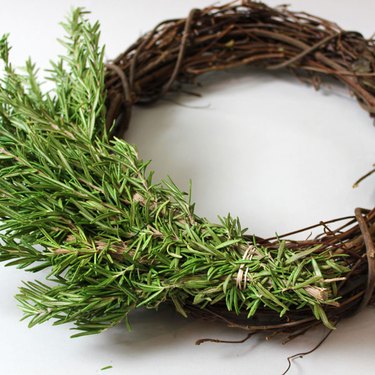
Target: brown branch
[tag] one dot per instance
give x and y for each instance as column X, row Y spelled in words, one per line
column 178, row 51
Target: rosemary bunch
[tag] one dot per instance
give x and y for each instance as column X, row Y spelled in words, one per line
column 85, row 208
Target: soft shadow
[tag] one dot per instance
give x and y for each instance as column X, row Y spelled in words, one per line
column 157, row 332
column 150, row 124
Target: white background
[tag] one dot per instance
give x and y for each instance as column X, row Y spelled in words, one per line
column 262, row 146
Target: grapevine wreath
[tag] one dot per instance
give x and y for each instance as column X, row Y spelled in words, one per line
column 76, row 200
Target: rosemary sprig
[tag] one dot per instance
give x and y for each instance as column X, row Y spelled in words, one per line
column 85, row 208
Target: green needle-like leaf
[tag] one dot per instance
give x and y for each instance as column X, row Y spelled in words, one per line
column 86, row 209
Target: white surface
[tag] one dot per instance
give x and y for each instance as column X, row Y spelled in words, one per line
column 262, row 146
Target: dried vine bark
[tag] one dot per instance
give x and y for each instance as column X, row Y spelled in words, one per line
column 249, row 33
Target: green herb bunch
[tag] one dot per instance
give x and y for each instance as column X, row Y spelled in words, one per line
column 84, row 207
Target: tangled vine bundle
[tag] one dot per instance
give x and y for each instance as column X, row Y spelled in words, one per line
column 251, row 33
column 78, row 201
